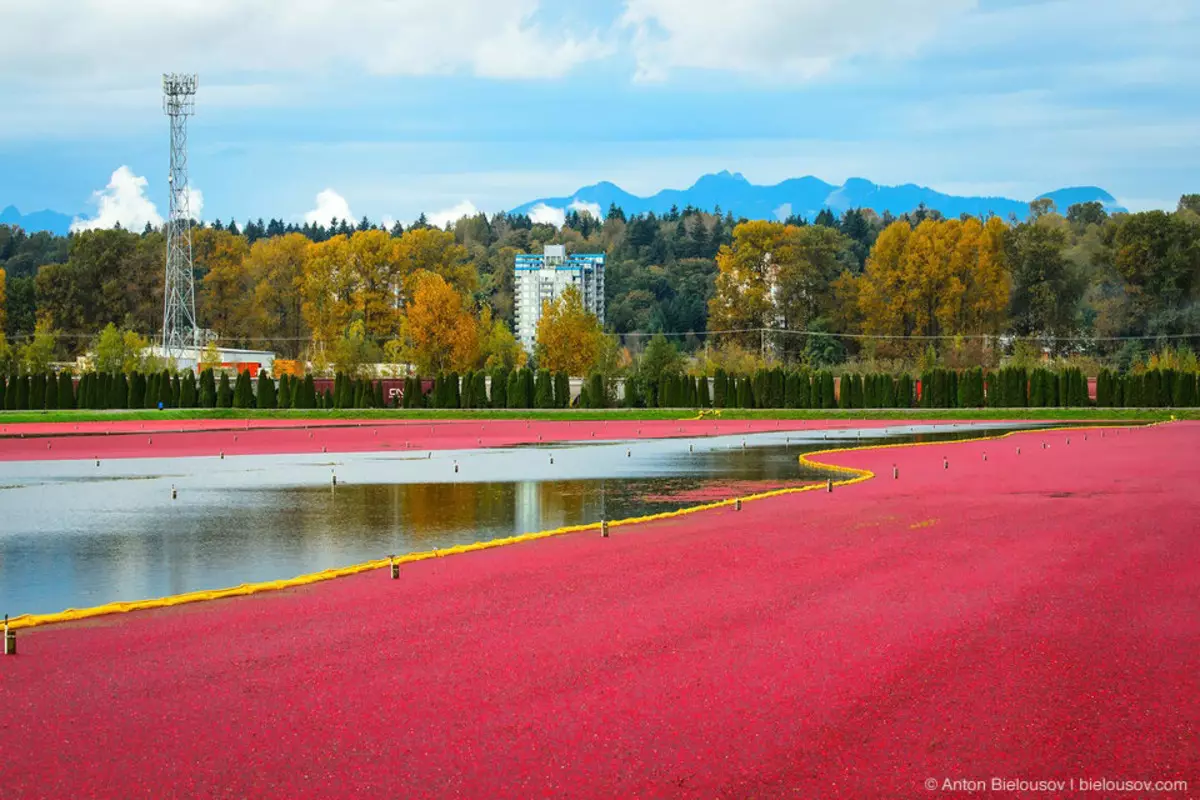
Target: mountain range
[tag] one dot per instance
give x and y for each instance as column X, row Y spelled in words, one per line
column 730, row 191
column 51, row 221
column 807, row 196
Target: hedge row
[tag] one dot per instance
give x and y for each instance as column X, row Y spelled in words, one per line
column 1010, row 387
column 1152, row 389
column 519, row 388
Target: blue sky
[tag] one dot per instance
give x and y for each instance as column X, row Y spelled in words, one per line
column 394, row 107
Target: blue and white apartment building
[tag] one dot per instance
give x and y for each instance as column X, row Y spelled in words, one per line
column 543, row 278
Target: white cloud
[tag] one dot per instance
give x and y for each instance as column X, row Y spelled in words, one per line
column 122, row 202
column 543, row 214
column 783, row 211
column 115, row 41
column 330, row 205
column 453, row 214
column 586, row 208
column 779, row 39
column 195, row 203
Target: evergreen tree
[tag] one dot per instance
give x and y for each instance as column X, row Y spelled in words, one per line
column 720, row 388
column 265, row 397
column 37, row 392
column 745, row 393
column 803, row 389
column 632, row 397
column 243, row 392
column 23, row 393
column 828, row 395
column 164, row 389
column 66, row 390
column 500, row 387
column 513, row 390
column 224, row 393
column 119, row 391
column 377, row 396
column 562, row 390
column 51, row 392
column 283, row 398
column 846, row 392
column 480, row 396
column 527, row 388
column 544, row 389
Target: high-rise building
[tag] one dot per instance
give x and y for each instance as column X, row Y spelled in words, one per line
column 543, row 278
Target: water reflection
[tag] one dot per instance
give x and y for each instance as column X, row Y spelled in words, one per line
column 77, row 535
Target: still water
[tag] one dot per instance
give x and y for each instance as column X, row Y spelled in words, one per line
column 73, row 534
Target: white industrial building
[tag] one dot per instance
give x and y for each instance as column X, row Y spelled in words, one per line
column 540, row 279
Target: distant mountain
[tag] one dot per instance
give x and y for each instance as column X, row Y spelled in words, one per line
column 807, row 196
column 37, row 221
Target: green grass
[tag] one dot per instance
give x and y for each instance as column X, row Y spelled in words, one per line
column 1114, row 414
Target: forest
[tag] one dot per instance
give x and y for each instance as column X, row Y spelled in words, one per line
column 912, row 292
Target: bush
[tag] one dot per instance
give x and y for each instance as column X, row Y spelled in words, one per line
column 265, row 396
column 745, row 393
column 597, row 391
column 165, row 391
column 66, row 391
column 243, row 393
column 720, row 389
column 500, row 383
column 562, row 390
column 208, row 389
column 544, row 390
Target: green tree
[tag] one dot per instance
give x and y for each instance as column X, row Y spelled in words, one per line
column 265, row 397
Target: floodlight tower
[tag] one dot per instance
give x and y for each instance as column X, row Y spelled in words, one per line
column 180, row 332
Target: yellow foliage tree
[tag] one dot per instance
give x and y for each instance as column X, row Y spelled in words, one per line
column 439, row 333
column 376, row 272
column 745, row 272
column 569, row 336
column 227, row 304
column 498, row 346
column 327, row 290
column 943, row 278
column 431, row 250
column 276, row 267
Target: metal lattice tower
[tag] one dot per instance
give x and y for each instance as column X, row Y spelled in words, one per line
column 180, row 334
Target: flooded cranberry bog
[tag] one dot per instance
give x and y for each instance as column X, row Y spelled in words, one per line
column 81, row 533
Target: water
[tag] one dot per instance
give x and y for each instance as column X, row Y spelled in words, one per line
column 74, row 535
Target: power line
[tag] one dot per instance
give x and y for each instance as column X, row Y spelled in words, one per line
column 734, row 331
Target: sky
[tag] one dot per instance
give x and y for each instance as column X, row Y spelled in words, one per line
column 390, row 108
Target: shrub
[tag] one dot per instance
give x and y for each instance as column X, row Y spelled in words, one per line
column 720, row 388
column 265, row 397
column 544, row 389
column 741, row 395
column 66, row 390
column 243, row 391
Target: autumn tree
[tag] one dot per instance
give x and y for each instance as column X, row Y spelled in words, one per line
column 943, row 278
column 327, row 290
column 227, row 290
column 745, row 275
column 431, row 250
column 375, row 271
column 498, row 347
column 276, row 268
column 438, row 333
column 119, row 351
column 569, row 336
